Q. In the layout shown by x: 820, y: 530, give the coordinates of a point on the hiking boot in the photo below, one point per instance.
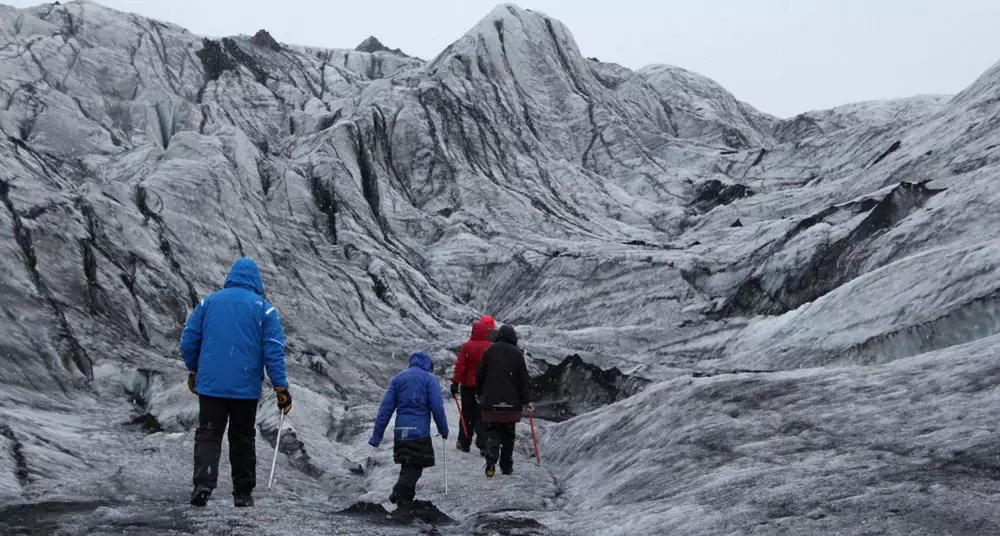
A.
x: 199, y: 497
x: 462, y: 447
x: 399, y: 501
x: 491, y: 467
x: 506, y: 469
x: 242, y: 501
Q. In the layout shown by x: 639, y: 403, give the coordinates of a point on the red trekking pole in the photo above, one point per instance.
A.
x: 534, y: 438
x: 460, y: 417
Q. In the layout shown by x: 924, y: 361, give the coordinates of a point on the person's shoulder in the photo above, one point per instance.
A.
x: 212, y: 296
x: 399, y: 377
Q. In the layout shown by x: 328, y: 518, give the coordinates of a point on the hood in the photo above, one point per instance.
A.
x: 421, y: 359
x: 488, y: 320
x: 507, y: 334
x: 244, y: 273
x: 480, y: 331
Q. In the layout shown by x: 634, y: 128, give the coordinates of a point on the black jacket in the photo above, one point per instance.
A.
x: 502, y: 376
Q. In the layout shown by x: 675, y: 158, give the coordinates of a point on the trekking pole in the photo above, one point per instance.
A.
x: 444, y: 449
x: 461, y: 419
x: 534, y: 438
x: 277, y: 443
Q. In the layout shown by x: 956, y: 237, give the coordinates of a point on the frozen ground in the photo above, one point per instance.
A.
x: 742, y: 324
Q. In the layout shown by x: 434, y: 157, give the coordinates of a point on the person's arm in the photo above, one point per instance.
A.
x: 437, y: 405
x: 523, y: 384
x: 274, y: 347
x: 384, y: 414
x: 461, y: 364
x: 481, y: 372
x: 191, y: 337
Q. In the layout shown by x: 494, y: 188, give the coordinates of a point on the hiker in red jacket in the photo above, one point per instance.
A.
x: 465, y: 377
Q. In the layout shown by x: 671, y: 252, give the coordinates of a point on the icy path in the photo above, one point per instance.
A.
x: 516, y: 500
x: 119, y: 479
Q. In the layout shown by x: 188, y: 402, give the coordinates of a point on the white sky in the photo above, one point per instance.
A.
x: 782, y: 56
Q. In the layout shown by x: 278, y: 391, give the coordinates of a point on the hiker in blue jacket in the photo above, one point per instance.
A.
x: 230, y: 339
x: 414, y: 395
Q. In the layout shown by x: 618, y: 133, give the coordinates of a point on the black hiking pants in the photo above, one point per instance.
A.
x: 213, y: 415
x: 500, y: 444
x: 412, y: 456
x: 406, y: 486
x: 473, y: 419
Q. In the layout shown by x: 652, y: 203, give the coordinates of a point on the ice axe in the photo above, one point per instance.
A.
x: 534, y: 438
x: 277, y: 443
x: 461, y: 419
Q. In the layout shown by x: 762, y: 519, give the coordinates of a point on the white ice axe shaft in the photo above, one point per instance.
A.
x: 444, y: 449
x: 277, y: 443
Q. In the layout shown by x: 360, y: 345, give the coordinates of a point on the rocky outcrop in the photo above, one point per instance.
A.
x: 372, y: 45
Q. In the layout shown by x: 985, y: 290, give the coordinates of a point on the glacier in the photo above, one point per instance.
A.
x: 736, y: 323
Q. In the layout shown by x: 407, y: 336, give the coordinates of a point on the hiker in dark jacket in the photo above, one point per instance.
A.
x: 415, y: 396
x: 502, y: 387
x: 464, y: 380
x: 230, y: 339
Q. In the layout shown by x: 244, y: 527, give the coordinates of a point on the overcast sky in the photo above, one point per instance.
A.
x: 782, y: 56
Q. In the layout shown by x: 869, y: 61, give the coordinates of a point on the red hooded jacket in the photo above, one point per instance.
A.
x: 470, y: 354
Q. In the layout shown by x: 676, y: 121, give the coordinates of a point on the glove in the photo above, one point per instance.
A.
x: 444, y: 436
x: 454, y: 389
x: 191, y: 382
x: 284, y: 399
x: 530, y: 408
x: 373, y: 443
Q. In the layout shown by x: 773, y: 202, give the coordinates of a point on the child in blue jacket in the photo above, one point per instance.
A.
x: 414, y: 395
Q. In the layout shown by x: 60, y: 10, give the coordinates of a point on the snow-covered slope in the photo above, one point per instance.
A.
x: 702, y: 109
x: 859, y: 114
x: 647, y: 222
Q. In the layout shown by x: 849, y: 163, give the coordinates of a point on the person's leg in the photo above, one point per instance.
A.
x: 208, y: 445
x: 507, y: 449
x: 406, y: 485
x: 474, y: 418
x: 494, y: 439
x: 242, y: 445
x: 469, y: 410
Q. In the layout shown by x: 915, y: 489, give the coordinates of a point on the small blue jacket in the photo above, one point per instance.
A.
x: 414, y: 395
x: 233, y: 335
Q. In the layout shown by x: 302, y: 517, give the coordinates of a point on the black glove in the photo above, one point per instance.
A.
x: 454, y: 389
x: 191, y: 376
x: 284, y: 399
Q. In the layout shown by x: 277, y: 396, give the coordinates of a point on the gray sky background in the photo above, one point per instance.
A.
x: 782, y: 56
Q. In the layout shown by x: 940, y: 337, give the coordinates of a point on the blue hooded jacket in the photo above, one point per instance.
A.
x: 232, y: 336
x: 414, y: 395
